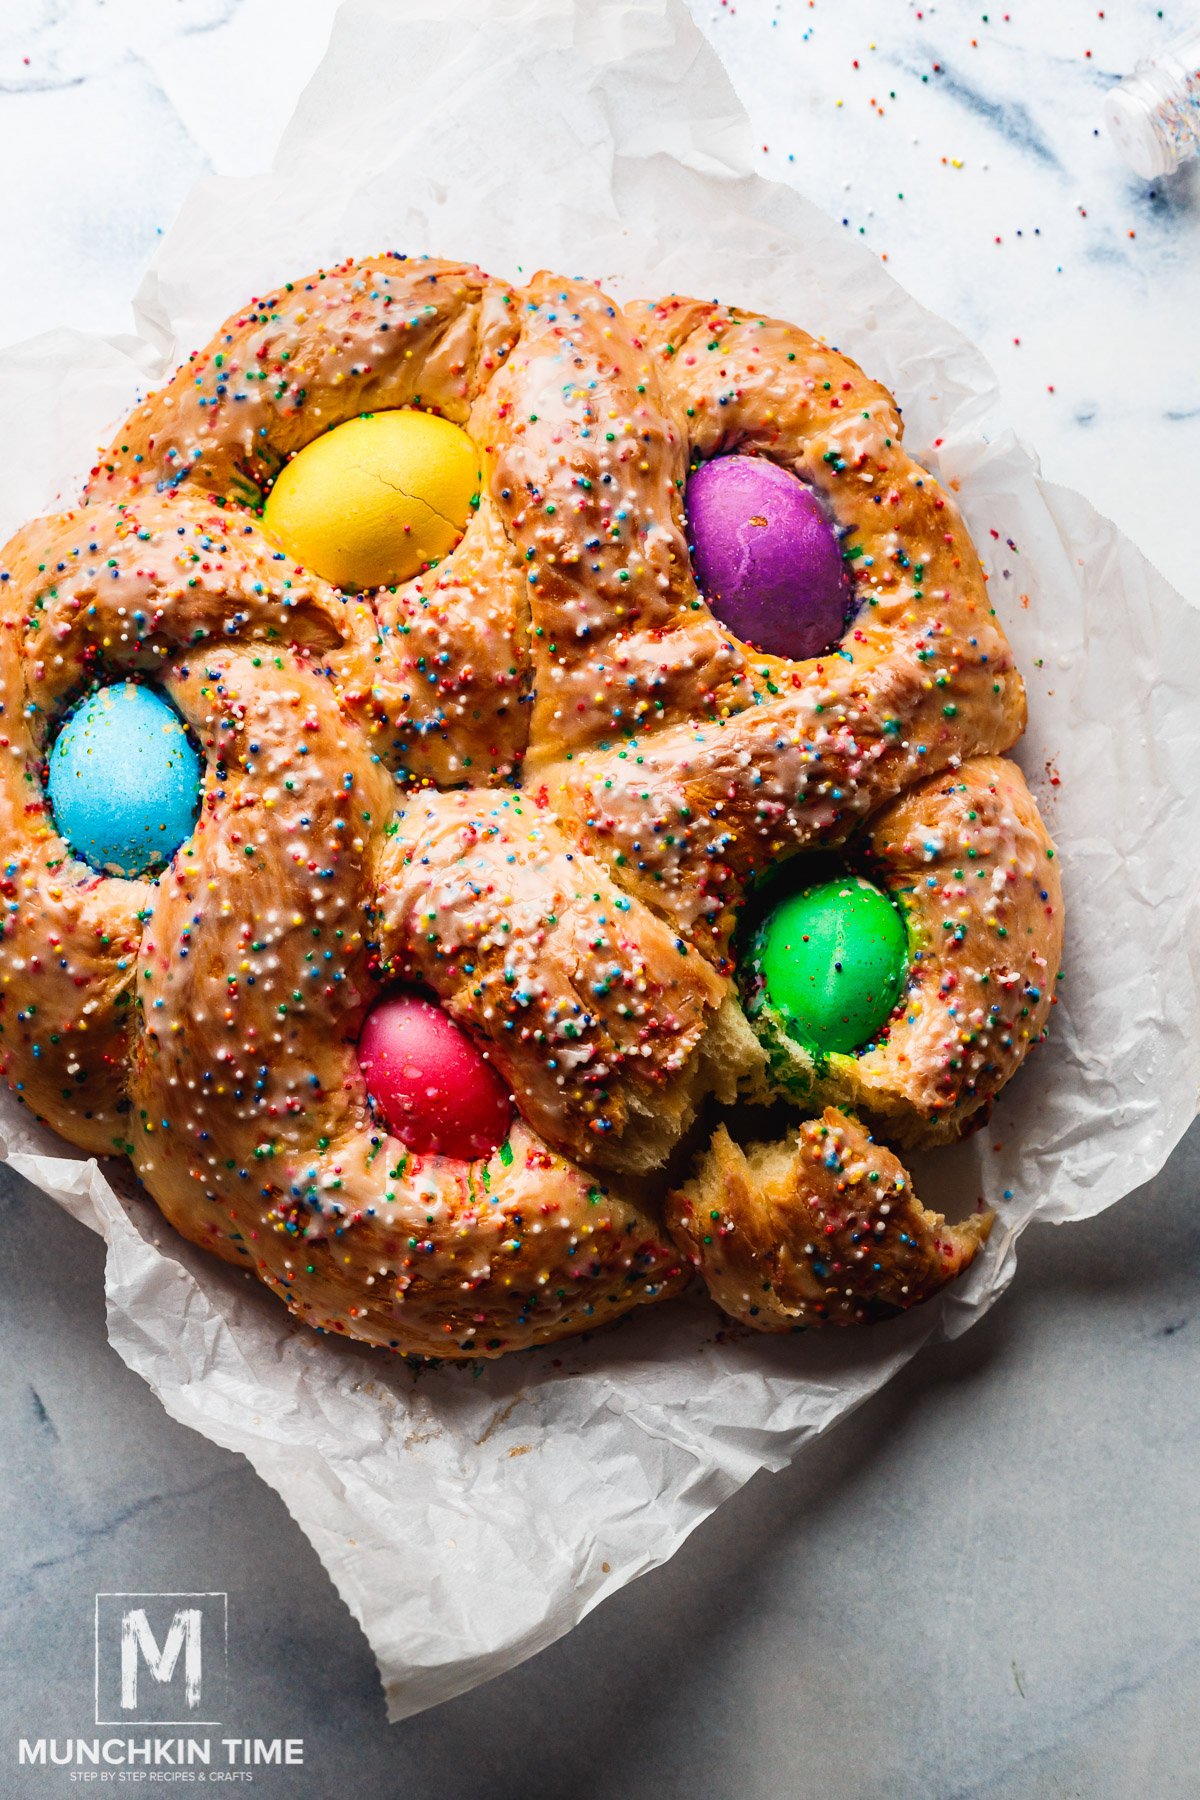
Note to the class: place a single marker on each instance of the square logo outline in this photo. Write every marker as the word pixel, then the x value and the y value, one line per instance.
pixel 213 1594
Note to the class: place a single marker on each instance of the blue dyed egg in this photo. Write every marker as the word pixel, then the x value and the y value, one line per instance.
pixel 124 780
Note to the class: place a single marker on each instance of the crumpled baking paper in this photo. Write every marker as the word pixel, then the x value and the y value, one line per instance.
pixel 470 1517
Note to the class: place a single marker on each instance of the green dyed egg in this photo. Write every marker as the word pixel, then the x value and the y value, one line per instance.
pixel 833 959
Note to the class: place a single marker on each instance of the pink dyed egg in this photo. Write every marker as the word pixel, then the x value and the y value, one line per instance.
pixel 430 1084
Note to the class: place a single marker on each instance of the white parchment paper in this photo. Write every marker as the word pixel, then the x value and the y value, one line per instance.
pixel 470 1518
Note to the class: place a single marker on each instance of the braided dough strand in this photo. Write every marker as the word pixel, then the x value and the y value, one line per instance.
pixel 381 332
pixel 975 870
pixel 595 1012
pixel 971 865
pixel 821 1228
pixel 250 1121
pixel 436 669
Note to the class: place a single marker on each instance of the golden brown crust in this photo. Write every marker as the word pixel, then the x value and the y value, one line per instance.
pixel 380 332
pixel 973 869
pixel 797 754
pixel 538 778
pixel 820 1229
pixel 978 879
pixel 250 1121
pixel 587 472
pixel 594 1010
pixel 437 670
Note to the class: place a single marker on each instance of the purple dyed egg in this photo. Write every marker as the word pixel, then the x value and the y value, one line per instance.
pixel 766 558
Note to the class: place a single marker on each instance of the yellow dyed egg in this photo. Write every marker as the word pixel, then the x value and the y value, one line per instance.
pixel 374 500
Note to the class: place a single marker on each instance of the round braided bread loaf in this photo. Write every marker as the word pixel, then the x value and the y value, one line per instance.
pixel 537 781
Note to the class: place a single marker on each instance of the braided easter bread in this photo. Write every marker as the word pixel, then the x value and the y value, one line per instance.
pixel 530 773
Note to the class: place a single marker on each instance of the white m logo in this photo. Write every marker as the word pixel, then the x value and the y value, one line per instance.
pixel 138 1643
pixel 161 1659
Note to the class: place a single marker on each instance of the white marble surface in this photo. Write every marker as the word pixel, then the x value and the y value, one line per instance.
pixel 985 1584
pixel 929 131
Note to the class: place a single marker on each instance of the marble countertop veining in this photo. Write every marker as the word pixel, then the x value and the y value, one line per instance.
pixel 964 144
pixel 985 1583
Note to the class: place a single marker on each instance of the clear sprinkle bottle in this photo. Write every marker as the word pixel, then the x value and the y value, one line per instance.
pixel 1154 114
